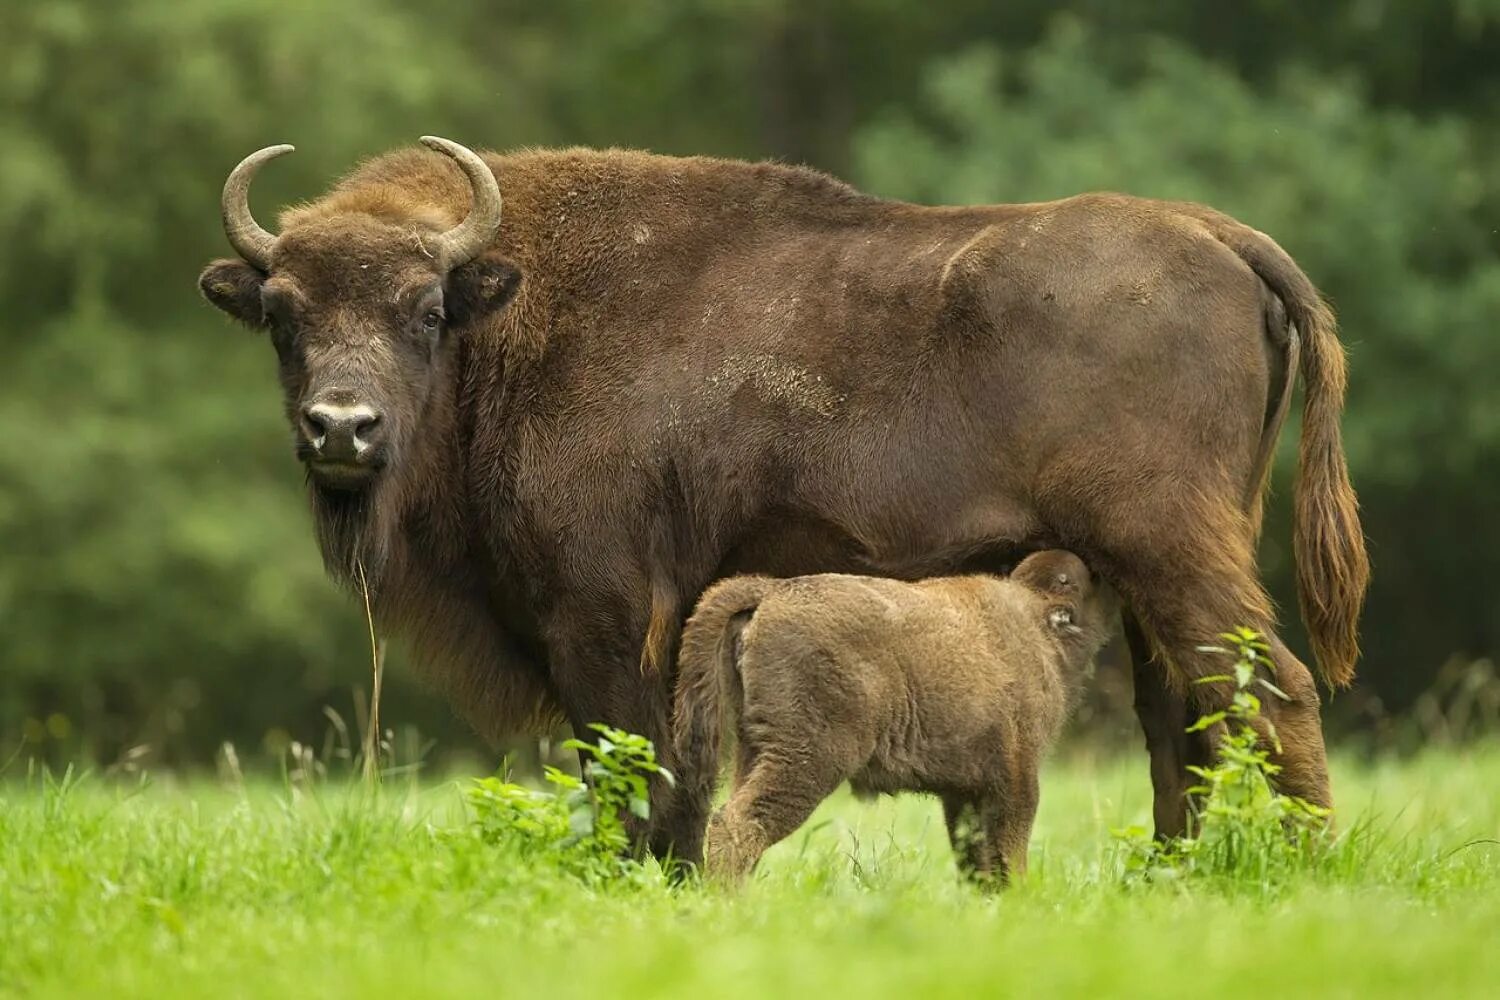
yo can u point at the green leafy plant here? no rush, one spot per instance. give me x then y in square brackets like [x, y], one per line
[582, 825]
[617, 771]
[1240, 828]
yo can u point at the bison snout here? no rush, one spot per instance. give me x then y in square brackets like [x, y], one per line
[341, 434]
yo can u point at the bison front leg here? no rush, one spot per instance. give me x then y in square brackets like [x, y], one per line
[599, 678]
[677, 820]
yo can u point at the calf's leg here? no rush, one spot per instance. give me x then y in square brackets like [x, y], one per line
[1015, 815]
[991, 831]
[971, 824]
[776, 796]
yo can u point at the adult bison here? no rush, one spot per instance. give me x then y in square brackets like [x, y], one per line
[541, 438]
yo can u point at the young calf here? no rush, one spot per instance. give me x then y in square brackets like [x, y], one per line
[954, 685]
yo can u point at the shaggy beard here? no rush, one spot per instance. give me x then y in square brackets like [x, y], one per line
[352, 533]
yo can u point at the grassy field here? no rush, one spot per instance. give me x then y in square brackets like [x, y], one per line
[201, 890]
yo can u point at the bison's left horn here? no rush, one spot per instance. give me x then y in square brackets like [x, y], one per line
[249, 240]
[468, 239]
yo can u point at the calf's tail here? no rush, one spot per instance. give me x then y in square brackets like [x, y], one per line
[708, 688]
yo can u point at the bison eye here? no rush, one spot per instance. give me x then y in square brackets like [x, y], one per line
[432, 321]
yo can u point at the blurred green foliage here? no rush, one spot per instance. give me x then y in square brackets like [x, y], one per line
[158, 583]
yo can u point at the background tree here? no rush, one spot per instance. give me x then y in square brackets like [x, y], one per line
[158, 582]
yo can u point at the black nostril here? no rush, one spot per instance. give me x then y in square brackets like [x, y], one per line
[338, 432]
[313, 427]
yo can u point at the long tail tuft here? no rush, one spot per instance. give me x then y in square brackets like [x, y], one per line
[1333, 569]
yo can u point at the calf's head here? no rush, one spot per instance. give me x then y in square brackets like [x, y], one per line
[361, 296]
[1080, 609]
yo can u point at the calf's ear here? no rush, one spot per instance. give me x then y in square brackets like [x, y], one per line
[234, 286]
[483, 286]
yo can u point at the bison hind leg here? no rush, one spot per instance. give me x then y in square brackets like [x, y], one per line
[1184, 561]
[1164, 718]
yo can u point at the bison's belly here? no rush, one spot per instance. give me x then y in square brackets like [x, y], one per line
[787, 543]
[894, 542]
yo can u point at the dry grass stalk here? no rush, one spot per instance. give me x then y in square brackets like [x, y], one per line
[377, 670]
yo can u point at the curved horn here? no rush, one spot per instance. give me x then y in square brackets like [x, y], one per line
[249, 240]
[468, 239]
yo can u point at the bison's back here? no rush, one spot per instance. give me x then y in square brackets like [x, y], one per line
[815, 379]
[932, 413]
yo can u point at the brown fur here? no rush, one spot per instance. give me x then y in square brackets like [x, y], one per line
[955, 686]
[669, 370]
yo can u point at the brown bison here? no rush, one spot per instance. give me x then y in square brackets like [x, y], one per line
[541, 437]
[953, 685]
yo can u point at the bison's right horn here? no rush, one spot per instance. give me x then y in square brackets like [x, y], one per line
[468, 239]
[249, 240]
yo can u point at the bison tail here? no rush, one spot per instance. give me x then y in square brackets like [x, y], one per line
[708, 681]
[1333, 569]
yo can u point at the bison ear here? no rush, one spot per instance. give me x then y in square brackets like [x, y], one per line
[480, 287]
[234, 286]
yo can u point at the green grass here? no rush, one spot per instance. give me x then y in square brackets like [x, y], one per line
[200, 890]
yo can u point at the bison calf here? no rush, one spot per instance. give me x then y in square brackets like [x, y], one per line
[955, 686]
